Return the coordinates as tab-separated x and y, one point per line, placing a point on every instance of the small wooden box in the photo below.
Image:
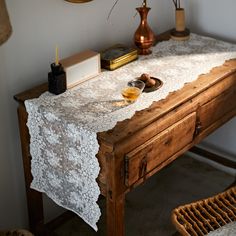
81	67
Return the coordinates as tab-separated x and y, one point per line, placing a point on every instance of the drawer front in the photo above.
158	149
217	108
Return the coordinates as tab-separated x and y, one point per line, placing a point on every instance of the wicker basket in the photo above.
204	216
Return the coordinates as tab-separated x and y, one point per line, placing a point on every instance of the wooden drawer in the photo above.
158	149
214	110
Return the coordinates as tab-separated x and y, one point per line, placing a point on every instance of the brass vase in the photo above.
144	37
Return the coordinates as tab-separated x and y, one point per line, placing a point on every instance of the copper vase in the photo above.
144	37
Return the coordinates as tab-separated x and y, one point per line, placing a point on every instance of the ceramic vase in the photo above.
180	19
180	32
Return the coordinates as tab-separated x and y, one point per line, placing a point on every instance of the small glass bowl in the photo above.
133	90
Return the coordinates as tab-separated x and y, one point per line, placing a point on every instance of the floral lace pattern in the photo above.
64	128
226	230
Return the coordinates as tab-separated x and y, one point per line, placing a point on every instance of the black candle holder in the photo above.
56	79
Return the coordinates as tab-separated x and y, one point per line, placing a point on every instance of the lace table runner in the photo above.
226	230
64	128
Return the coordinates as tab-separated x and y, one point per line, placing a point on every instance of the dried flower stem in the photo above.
176	3
112	9
144	4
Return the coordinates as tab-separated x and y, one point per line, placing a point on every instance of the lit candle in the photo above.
56	57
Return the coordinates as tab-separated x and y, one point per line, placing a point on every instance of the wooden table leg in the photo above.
34	198
115	209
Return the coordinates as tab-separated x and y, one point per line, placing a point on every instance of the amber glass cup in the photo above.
132	91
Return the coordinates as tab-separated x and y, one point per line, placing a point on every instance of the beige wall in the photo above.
216	18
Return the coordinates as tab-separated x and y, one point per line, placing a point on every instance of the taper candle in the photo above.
56	57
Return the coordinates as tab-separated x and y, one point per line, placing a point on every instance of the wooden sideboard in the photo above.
137	148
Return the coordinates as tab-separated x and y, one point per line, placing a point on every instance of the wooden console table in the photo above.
137	148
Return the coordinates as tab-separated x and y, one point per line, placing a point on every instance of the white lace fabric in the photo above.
63	128
226	230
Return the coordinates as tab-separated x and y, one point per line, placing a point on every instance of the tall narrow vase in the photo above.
180	32
144	36
179	19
